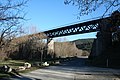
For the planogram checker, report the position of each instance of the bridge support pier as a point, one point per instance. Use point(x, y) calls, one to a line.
point(103, 51)
point(100, 50)
point(101, 44)
point(50, 48)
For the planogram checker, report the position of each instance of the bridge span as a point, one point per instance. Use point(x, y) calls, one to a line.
point(79, 28)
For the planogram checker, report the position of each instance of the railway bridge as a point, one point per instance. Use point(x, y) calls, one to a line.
point(85, 27)
point(108, 30)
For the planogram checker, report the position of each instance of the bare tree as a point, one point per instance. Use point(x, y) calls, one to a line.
point(11, 16)
point(28, 47)
point(88, 6)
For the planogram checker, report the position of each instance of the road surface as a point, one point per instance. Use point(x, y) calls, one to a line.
point(74, 69)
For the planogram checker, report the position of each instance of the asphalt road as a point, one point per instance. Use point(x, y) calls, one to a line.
point(74, 69)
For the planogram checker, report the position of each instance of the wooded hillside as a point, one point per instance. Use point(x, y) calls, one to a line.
point(84, 44)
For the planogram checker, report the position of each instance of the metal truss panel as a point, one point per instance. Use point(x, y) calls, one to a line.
point(86, 27)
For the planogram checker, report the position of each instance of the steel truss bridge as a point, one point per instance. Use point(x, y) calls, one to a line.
point(85, 27)
point(79, 28)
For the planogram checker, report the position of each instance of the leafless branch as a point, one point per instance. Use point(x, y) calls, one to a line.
point(11, 14)
point(86, 7)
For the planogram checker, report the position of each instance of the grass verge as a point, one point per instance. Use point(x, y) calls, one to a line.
point(15, 64)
